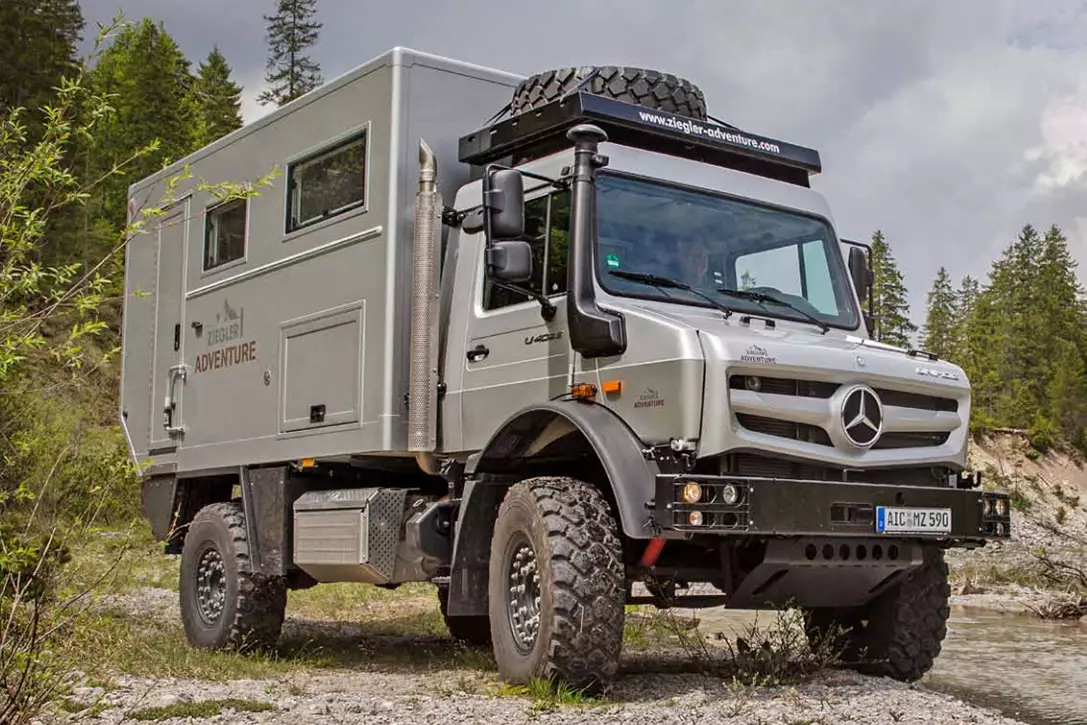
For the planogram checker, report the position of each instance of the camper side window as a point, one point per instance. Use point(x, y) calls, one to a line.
point(331, 182)
point(547, 224)
point(224, 234)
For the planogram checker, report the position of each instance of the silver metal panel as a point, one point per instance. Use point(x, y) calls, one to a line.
point(233, 403)
point(321, 358)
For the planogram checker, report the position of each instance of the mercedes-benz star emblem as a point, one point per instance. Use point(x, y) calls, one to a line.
point(862, 416)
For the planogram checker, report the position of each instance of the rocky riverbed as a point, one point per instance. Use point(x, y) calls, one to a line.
point(658, 684)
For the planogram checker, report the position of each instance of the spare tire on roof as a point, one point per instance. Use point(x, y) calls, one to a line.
point(639, 86)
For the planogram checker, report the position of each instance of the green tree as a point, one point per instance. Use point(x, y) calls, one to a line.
point(37, 47)
point(291, 72)
point(891, 309)
point(217, 98)
point(148, 79)
point(938, 335)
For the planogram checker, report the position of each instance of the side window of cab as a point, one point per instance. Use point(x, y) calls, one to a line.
point(547, 225)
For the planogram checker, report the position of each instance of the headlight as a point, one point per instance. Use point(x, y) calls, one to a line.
point(730, 494)
point(989, 507)
point(692, 492)
point(695, 518)
point(1002, 507)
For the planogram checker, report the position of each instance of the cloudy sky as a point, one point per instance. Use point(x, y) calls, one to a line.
point(948, 125)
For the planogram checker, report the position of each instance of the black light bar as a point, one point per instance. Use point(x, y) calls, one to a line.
point(541, 132)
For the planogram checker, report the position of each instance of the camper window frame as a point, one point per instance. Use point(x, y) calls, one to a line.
point(220, 206)
point(316, 153)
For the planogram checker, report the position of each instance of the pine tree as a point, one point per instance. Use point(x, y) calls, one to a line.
point(151, 84)
point(938, 336)
point(38, 41)
point(291, 73)
point(892, 311)
point(217, 98)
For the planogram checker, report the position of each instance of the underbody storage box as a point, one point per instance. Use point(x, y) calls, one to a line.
point(348, 535)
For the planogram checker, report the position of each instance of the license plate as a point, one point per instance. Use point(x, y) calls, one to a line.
point(891, 520)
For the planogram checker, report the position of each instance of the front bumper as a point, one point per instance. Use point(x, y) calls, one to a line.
point(784, 507)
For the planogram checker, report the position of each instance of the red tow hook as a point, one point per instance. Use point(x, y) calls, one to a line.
point(652, 552)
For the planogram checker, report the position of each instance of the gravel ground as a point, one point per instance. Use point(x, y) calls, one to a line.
point(454, 697)
point(660, 687)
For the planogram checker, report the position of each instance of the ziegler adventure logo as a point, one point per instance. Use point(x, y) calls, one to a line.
point(757, 354)
point(229, 326)
point(650, 398)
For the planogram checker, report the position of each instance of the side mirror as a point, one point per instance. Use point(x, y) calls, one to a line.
point(510, 261)
point(504, 202)
point(858, 270)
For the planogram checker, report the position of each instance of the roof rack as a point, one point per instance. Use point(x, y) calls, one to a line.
point(542, 131)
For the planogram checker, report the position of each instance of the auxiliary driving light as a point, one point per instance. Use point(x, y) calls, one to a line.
point(730, 494)
point(692, 493)
point(1002, 507)
point(695, 518)
point(753, 383)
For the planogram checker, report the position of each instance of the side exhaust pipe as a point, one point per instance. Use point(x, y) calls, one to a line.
point(423, 375)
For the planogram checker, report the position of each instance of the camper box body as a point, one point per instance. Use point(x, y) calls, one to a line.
point(298, 345)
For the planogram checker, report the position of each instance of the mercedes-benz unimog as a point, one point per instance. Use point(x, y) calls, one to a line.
point(599, 340)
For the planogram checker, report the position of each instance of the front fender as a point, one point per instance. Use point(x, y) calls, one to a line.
point(631, 476)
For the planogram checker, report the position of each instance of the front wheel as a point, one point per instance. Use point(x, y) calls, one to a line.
point(900, 634)
point(557, 588)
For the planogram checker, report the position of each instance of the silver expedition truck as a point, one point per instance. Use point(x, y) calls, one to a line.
point(600, 339)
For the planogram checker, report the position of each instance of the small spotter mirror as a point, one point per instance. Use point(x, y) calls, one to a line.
point(511, 261)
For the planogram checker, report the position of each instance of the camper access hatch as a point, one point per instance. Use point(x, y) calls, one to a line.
point(541, 131)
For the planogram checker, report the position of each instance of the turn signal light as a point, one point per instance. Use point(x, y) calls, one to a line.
point(613, 387)
point(583, 391)
point(692, 492)
point(307, 463)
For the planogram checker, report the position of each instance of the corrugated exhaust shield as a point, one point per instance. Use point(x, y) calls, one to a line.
point(426, 248)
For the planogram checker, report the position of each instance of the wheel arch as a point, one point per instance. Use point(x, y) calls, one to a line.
point(583, 440)
point(542, 437)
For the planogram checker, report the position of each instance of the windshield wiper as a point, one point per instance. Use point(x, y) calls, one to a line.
point(762, 297)
point(655, 280)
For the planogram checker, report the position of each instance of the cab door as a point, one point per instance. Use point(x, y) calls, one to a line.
point(513, 356)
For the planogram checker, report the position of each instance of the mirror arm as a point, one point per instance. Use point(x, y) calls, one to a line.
point(547, 309)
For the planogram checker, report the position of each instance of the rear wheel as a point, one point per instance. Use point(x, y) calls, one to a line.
point(900, 634)
point(223, 604)
point(556, 584)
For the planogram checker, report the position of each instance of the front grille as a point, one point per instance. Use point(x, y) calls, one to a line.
point(784, 429)
point(750, 464)
point(911, 440)
point(785, 386)
point(917, 401)
point(822, 389)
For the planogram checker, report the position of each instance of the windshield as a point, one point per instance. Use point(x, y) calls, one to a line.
point(711, 242)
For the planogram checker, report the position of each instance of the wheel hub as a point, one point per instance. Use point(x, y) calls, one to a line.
point(210, 586)
point(524, 597)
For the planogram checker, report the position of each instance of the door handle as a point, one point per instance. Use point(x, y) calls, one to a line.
point(175, 373)
point(478, 353)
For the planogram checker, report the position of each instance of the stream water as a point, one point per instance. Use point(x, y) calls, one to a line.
point(1029, 669)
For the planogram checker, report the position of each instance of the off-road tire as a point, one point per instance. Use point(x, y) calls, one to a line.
point(474, 630)
point(253, 605)
point(582, 588)
point(641, 87)
point(900, 634)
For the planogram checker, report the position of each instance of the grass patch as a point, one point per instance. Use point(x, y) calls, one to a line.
point(549, 696)
point(117, 561)
point(200, 709)
point(112, 643)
